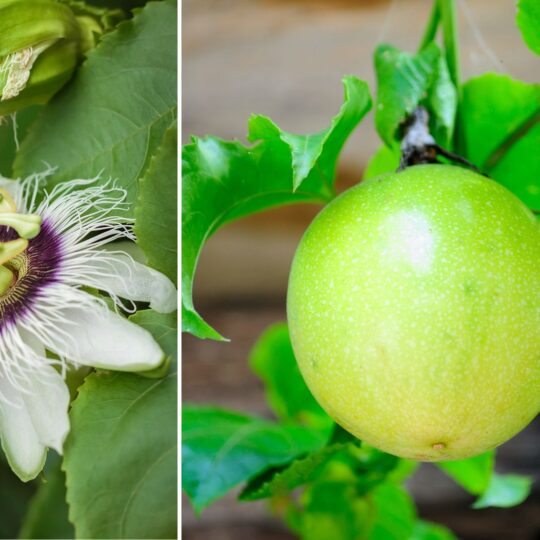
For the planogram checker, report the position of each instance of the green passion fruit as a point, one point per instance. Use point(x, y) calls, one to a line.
point(414, 312)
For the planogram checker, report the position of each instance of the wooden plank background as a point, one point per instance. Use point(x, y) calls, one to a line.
point(285, 59)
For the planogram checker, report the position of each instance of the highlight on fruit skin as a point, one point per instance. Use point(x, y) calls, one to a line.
point(414, 312)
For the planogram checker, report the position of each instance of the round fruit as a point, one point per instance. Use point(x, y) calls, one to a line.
point(414, 312)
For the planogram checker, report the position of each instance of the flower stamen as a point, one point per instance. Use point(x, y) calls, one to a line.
point(26, 225)
point(7, 277)
point(10, 250)
point(7, 204)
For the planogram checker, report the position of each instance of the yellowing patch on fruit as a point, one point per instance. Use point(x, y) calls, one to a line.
point(414, 312)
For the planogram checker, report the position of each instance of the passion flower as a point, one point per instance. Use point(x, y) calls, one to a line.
point(47, 304)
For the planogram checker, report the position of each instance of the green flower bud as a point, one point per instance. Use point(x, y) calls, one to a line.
point(41, 43)
point(39, 49)
point(94, 21)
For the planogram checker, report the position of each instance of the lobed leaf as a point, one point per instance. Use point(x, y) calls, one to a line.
point(121, 455)
point(156, 212)
point(281, 481)
point(350, 491)
point(112, 116)
point(272, 359)
point(314, 156)
point(221, 449)
point(225, 180)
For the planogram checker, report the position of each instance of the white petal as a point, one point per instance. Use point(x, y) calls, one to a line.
point(127, 246)
point(95, 336)
point(118, 274)
point(47, 400)
point(47, 404)
point(20, 441)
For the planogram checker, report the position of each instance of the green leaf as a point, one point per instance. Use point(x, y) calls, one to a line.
point(162, 326)
point(473, 474)
point(121, 455)
point(9, 134)
point(314, 156)
point(528, 21)
point(373, 468)
point(423, 530)
point(124, 4)
point(501, 130)
point(367, 467)
point(280, 481)
point(14, 498)
point(47, 515)
point(224, 180)
point(404, 469)
point(518, 171)
point(111, 118)
point(394, 513)
point(384, 160)
point(156, 212)
point(478, 477)
point(341, 435)
point(353, 495)
point(221, 449)
point(505, 491)
point(192, 321)
point(403, 81)
point(335, 510)
point(442, 102)
point(272, 359)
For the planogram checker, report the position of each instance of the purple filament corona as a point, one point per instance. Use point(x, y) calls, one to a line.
point(35, 269)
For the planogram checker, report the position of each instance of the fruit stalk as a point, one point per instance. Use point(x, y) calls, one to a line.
point(419, 147)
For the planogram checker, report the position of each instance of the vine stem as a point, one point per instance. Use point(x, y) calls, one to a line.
point(451, 47)
point(444, 12)
point(432, 26)
point(418, 145)
point(450, 37)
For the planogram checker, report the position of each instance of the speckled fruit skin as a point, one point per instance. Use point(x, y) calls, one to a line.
point(414, 312)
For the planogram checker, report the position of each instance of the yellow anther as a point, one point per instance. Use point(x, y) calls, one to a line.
point(9, 250)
